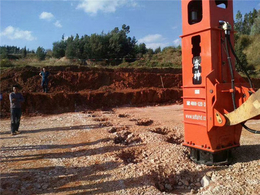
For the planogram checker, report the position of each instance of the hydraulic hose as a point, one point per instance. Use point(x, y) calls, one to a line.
point(227, 41)
point(249, 129)
point(231, 72)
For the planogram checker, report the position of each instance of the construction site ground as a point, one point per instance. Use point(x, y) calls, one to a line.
point(98, 148)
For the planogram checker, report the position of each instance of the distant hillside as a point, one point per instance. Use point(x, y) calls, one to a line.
point(252, 52)
point(169, 57)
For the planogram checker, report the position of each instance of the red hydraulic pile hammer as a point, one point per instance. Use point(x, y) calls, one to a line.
point(216, 99)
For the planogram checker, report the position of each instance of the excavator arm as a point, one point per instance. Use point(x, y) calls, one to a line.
point(248, 110)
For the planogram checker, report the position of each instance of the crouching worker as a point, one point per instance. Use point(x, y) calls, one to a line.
point(15, 103)
point(44, 74)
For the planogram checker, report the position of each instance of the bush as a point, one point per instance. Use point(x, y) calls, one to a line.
point(5, 63)
point(40, 53)
point(252, 51)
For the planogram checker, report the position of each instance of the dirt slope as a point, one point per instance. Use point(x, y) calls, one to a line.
point(76, 79)
point(77, 88)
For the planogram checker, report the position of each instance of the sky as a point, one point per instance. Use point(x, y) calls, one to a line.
point(40, 23)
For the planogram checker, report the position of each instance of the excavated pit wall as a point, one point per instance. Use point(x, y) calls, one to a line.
point(74, 79)
point(78, 88)
point(73, 88)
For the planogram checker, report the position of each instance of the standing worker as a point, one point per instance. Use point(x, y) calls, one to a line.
point(44, 74)
point(15, 104)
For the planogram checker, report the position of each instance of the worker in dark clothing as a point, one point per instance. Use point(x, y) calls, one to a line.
point(15, 104)
point(44, 74)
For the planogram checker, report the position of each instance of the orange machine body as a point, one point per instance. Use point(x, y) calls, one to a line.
point(206, 76)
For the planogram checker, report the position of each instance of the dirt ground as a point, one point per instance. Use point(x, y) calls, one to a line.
point(129, 150)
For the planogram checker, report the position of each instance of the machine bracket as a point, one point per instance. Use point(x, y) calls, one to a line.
point(208, 158)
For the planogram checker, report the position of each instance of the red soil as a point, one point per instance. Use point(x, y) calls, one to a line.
point(73, 88)
point(79, 88)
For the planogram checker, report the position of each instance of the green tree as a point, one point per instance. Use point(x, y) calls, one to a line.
point(80, 50)
point(178, 47)
point(241, 44)
point(114, 44)
point(244, 24)
point(252, 51)
point(126, 29)
point(40, 53)
point(49, 53)
point(59, 49)
point(76, 44)
point(96, 46)
point(24, 52)
point(256, 26)
point(141, 48)
point(248, 22)
point(86, 47)
point(158, 50)
point(120, 45)
point(70, 49)
point(4, 54)
point(150, 53)
point(238, 26)
point(253, 16)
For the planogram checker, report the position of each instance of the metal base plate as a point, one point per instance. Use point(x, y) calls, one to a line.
point(208, 158)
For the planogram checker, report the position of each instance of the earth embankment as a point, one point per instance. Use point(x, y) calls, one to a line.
point(75, 88)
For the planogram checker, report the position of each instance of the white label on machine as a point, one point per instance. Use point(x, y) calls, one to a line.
point(195, 117)
point(194, 103)
point(197, 91)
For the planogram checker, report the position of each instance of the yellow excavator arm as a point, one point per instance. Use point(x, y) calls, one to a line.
point(248, 110)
